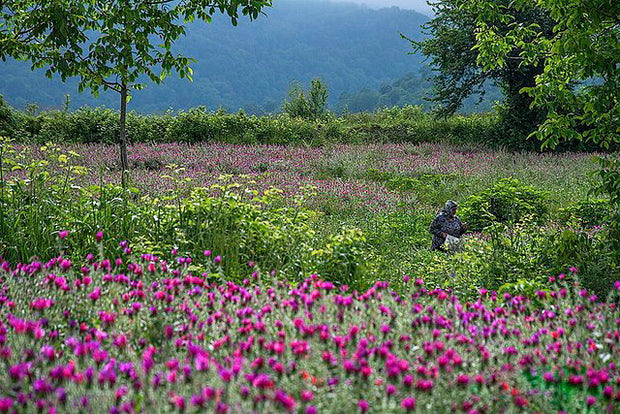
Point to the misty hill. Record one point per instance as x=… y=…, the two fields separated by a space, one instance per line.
x=411 y=89
x=252 y=65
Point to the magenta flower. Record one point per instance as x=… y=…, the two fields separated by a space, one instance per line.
x=65 y=264
x=179 y=402
x=307 y=395
x=462 y=379
x=408 y=403
x=63 y=234
x=95 y=294
x=363 y=405
x=197 y=400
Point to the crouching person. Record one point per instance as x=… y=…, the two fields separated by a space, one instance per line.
x=446 y=225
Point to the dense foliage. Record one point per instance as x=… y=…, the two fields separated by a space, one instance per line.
x=580 y=81
x=508 y=201
x=407 y=124
x=450 y=45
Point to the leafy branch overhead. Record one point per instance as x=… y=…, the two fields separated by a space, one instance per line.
x=579 y=80
x=108 y=44
x=450 y=48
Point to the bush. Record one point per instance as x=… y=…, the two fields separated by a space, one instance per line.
x=305 y=121
x=592 y=254
x=342 y=259
x=508 y=201
x=8 y=119
x=587 y=213
x=311 y=105
x=502 y=258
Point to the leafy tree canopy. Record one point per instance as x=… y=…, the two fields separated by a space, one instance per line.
x=579 y=81
x=108 y=43
x=458 y=73
x=579 y=84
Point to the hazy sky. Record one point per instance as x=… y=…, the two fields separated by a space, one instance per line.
x=418 y=5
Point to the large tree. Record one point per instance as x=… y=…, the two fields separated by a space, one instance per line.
x=109 y=44
x=579 y=85
x=450 y=41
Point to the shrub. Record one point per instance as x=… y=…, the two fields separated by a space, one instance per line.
x=311 y=105
x=342 y=259
x=305 y=121
x=8 y=119
x=263 y=230
x=508 y=201
x=592 y=254
x=587 y=213
x=500 y=259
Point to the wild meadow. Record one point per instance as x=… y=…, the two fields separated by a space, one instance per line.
x=271 y=278
x=235 y=263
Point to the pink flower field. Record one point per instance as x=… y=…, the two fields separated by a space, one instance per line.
x=339 y=172
x=138 y=334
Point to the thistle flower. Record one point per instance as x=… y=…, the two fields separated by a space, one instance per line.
x=463 y=379
x=408 y=403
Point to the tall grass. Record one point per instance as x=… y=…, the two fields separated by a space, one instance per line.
x=365 y=214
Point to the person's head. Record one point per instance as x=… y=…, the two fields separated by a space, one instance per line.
x=450 y=208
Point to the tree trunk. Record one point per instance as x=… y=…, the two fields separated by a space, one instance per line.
x=123 y=137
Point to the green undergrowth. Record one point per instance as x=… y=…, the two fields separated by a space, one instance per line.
x=519 y=241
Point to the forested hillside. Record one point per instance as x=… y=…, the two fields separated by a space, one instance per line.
x=251 y=66
x=411 y=89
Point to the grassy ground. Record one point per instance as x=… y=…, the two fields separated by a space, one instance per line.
x=390 y=192
x=376 y=177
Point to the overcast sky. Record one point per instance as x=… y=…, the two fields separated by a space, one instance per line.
x=417 y=5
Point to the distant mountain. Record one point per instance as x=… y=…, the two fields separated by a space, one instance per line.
x=251 y=66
